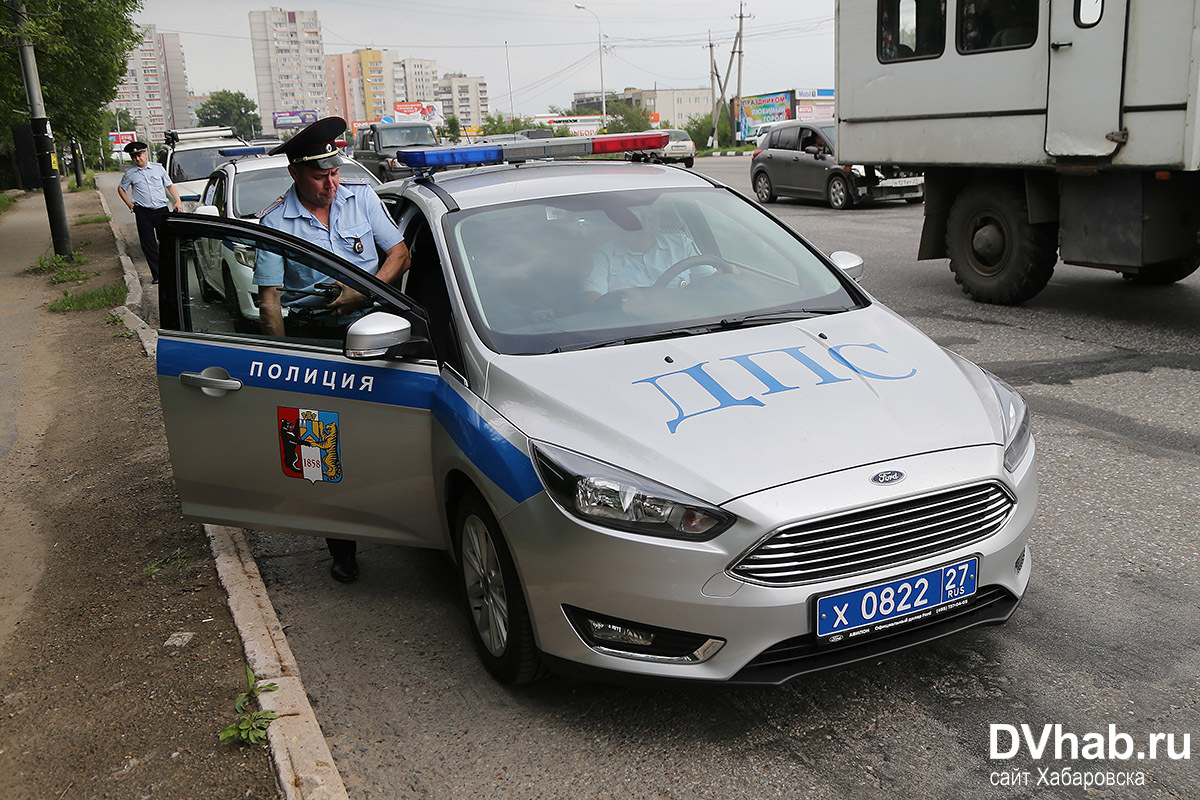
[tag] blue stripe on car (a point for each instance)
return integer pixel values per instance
(504, 464)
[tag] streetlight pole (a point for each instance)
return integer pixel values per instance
(600, 44)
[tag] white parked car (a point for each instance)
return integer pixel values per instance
(679, 148)
(656, 430)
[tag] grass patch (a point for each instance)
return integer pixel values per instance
(55, 262)
(105, 297)
(89, 182)
(6, 202)
(69, 274)
(90, 220)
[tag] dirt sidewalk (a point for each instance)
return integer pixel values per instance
(119, 660)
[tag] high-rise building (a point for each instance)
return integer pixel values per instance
(365, 85)
(155, 88)
(289, 63)
(464, 97)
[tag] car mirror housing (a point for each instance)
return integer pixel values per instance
(377, 335)
(207, 211)
(849, 263)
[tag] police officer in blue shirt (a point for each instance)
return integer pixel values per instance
(348, 220)
(144, 189)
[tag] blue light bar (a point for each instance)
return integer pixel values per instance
(451, 156)
(242, 151)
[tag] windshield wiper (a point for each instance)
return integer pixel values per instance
(781, 316)
(649, 337)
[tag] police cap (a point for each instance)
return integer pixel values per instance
(133, 148)
(314, 145)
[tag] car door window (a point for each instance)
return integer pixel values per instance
(214, 279)
(787, 138)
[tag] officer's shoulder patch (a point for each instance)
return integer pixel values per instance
(278, 202)
(354, 182)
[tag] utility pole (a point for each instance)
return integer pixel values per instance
(712, 72)
(43, 140)
(737, 115)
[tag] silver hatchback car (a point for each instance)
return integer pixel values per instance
(657, 431)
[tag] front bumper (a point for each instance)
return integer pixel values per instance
(767, 631)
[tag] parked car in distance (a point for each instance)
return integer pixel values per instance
(376, 146)
(240, 189)
(796, 160)
(191, 154)
(536, 133)
(679, 147)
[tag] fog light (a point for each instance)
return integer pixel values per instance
(608, 632)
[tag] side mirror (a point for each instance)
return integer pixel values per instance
(849, 263)
(814, 151)
(207, 211)
(377, 335)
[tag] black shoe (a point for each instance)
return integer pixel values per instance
(154, 282)
(344, 569)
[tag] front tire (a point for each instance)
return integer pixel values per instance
(996, 254)
(1165, 273)
(838, 193)
(763, 189)
(492, 594)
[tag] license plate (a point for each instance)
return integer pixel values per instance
(902, 182)
(884, 606)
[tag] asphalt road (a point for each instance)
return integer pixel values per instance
(1107, 634)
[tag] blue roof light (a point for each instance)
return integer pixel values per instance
(242, 151)
(450, 156)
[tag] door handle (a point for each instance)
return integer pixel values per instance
(1059, 45)
(207, 382)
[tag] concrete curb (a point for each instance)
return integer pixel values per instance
(304, 766)
(726, 153)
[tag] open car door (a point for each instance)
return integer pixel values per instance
(291, 433)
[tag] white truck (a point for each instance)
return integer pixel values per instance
(1046, 129)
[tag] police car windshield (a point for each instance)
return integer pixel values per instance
(193, 165)
(254, 190)
(566, 272)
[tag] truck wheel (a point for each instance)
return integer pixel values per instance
(996, 254)
(1164, 273)
(837, 192)
(762, 188)
(495, 601)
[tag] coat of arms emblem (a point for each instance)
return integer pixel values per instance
(308, 444)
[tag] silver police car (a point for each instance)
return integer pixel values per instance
(657, 431)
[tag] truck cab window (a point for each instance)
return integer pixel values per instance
(911, 29)
(985, 25)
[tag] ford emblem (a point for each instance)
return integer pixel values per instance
(887, 477)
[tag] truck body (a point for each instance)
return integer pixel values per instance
(1045, 129)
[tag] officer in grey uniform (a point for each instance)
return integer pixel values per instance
(348, 220)
(144, 188)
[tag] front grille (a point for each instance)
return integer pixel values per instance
(881, 536)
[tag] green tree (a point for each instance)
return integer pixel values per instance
(80, 47)
(224, 107)
(496, 123)
(116, 119)
(700, 128)
(452, 129)
(626, 118)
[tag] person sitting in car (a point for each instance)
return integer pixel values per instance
(640, 259)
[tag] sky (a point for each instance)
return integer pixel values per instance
(532, 53)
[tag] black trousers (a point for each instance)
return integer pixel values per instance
(148, 220)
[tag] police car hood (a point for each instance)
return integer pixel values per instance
(725, 414)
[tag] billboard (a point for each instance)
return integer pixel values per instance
(293, 119)
(121, 138)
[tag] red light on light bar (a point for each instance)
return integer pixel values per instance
(622, 142)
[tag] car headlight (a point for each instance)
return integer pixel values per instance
(606, 495)
(1015, 414)
(244, 255)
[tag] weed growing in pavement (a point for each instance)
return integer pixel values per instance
(89, 220)
(105, 297)
(89, 182)
(176, 560)
(124, 335)
(250, 727)
(56, 262)
(68, 274)
(113, 319)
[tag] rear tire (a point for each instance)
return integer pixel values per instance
(838, 193)
(688, 162)
(763, 189)
(492, 595)
(1165, 273)
(996, 254)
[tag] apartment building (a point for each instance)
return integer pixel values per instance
(463, 96)
(365, 85)
(155, 88)
(289, 63)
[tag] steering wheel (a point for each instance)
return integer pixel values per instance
(701, 260)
